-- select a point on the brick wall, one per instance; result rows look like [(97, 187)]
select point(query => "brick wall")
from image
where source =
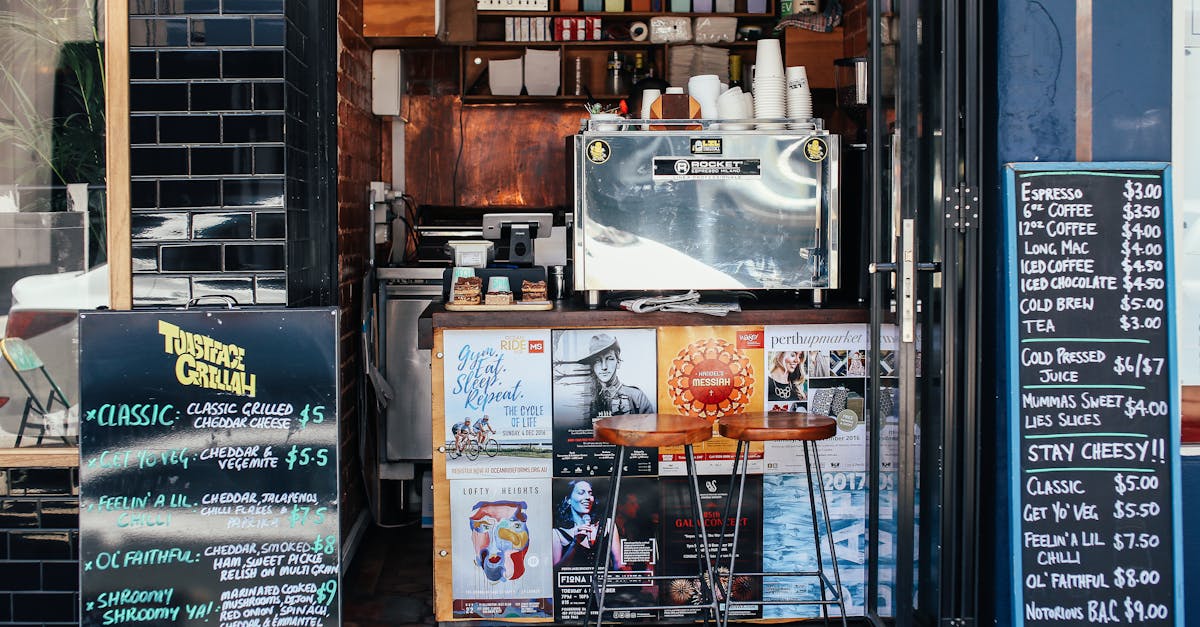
[(855, 16), (39, 546), (359, 161), (209, 114)]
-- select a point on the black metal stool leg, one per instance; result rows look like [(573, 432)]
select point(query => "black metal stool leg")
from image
[(705, 561), (603, 543), (837, 579), (812, 507), (744, 449), (722, 591)]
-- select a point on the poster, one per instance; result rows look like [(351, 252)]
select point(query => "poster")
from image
[(709, 372), (500, 534), (597, 373), (821, 369), (580, 509), (497, 394), (787, 527), (681, 543)]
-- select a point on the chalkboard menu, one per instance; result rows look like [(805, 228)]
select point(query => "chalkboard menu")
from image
[(209, 467), (1094, 410)]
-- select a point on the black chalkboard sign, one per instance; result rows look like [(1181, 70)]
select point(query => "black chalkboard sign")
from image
[(209, 467), (1093, 399)]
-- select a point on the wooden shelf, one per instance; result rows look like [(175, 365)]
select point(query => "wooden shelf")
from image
[(614, 14), (485, 98), (489, 44), (605, 43), (564, 44)]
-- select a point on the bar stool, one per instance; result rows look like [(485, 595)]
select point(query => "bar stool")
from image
[(652, 430), (774, 426)]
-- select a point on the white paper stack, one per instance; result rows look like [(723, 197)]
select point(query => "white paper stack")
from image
[(712, 60), (679, 67), (689, 61)]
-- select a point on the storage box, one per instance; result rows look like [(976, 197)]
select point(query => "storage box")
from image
[(505, 78), (593, 5), (568, 5), (756, 6), (702, 6), (541, 72), (725, 6), (614, 6), (640, 6), (681, 6), (576, 28)]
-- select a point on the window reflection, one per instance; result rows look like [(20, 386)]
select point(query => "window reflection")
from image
[(52, 210)]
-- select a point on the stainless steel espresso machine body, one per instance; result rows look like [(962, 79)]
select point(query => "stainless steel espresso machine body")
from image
[(705, 209)]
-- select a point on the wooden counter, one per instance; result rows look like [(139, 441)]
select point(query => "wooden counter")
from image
[(574, 315), (482, 480)]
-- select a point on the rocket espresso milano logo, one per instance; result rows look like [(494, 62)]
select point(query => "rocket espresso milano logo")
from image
[(710, 378)]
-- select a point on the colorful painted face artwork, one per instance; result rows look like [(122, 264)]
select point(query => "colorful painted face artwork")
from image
[(501, 537)]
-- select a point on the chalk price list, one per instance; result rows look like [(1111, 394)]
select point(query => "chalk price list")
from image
[(265, 552), (1092, 334)]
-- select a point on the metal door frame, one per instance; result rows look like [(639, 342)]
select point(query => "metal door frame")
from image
[(947, 575)]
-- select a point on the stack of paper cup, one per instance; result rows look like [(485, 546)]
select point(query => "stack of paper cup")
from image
[(769, 83), (732, 105), (705, 88), (799, 96)]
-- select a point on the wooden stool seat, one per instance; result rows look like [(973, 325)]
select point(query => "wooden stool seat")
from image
[(651, 430), (771, 426)]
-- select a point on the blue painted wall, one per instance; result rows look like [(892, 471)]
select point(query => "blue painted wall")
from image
[(1029, 100), (1131, 80), (1191, 539)]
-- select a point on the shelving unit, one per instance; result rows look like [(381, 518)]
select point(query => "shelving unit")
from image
[(593, 56)]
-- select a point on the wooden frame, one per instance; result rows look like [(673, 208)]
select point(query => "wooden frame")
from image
[(120, 281), (116, 116)]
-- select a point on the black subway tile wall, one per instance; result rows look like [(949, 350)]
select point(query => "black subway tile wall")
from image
[(218, 149), (39, 546)]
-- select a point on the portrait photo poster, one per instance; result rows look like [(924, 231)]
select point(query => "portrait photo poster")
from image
[(710, 372), (819, 369), (502, 376), (580, 508), (500, 534), (599, 373)]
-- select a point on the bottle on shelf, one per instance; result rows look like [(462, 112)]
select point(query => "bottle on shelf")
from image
[(578, 76), (617, 81), (735, 70), (639, 68)]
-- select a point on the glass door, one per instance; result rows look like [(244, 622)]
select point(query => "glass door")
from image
[(925, 217)]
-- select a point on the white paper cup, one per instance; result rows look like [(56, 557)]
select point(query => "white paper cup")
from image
[(799, 102), (768, 59), (649, 96), (731, 105), (705, 89), (797, 76)]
